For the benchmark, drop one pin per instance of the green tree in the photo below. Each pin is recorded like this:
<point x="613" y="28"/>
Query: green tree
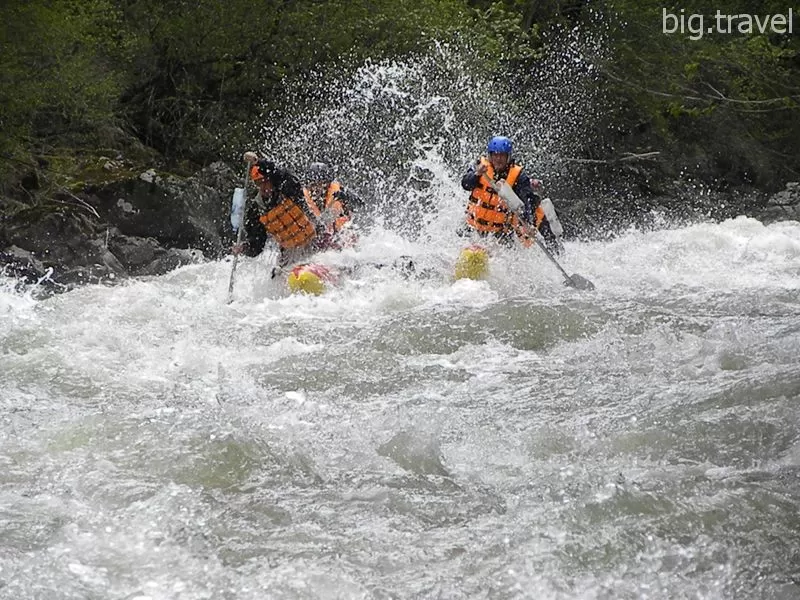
<point x="730" y="100"/>
<point x="57" y="72"/>
<point x="201" y="68"/>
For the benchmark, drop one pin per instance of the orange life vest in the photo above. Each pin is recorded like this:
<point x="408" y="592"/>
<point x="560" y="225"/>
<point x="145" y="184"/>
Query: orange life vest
<point x="488" y="213"/>
<point x="331" y="204"/>
<point x="538" y="216"/>
<point x="289" y="224"/>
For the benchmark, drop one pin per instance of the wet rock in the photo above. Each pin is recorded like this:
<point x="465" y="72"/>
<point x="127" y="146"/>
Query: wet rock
<point x="64" y="247"/>
<point x="176" y="212"/>
<point x="171" y="259"/>
<point x="58" y="237"/>
<point x="131" y="219"/>
<point x="222" y="178"/>
<point x="134" y="253"/>
<point x="69" y="278"/>
<point x="142" y="223"/>
<point x="22" y="265"/>
<point x="150" y="176"/>
<point x="783" y="206"/>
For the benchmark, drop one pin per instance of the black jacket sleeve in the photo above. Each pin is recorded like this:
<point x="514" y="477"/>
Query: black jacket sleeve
<point x="470" y="178"/>
<point x="255" y="236"/>
<point x="523" y="188"/>
<point x="284" y="183"/>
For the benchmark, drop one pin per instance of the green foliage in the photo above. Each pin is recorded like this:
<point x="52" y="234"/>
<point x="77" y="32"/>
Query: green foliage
<point x="200" y="67"/>
<point x="705" y="95"/>
<point x="57" y="74"/>
<point x="55" y="68"/>
<point x="502" y="34"/>
<point x="185" y="77"/>
<point x="188" y="78"/>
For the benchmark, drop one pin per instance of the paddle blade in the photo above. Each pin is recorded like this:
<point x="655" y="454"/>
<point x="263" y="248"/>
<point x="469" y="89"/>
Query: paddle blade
<point x="506" y="192"/>
<point x="237" y="207"/>
<point x="579" y="283"/>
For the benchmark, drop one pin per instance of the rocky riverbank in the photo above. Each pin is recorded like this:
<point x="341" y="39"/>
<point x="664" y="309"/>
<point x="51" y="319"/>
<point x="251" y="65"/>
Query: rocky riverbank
<point x="137" y="225"/>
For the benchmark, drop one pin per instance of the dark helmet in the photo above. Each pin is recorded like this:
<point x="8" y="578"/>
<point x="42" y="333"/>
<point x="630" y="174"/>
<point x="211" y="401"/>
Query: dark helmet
<point x="262" y="169"/>
<point x="500" y="143"/>
<point x="319" y="172"/>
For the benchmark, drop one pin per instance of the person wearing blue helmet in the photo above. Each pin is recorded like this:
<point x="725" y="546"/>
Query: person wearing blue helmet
<point x="490" y="216"/>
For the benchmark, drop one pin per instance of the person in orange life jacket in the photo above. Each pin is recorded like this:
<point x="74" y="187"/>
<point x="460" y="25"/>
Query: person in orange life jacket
<point x="334" y="204"/>
<point x="487" y="213"/>
<point x="280" y="212"/>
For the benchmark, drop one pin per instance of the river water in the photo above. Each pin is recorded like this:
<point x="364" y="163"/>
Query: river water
<point x="414" y="438"/>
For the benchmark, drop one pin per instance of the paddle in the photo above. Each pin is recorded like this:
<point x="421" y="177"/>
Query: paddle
<point x="239" y="226"/>
<point x="505" y="191"/>
<point x="574" y="280"/>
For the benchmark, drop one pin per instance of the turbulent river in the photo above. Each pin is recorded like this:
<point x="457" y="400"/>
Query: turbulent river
<point x="414" y="438"/>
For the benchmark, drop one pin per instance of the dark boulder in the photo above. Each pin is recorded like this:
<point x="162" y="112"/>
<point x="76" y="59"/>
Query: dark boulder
<point x="130" y="226"/>
<point x="783" y="206"/>
<point x="177" y="213"/>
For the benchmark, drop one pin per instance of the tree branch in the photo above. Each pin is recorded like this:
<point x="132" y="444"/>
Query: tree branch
<point x="627" y="157"/>
<point x="717" y="97"/>
<point x="81" y="202"/>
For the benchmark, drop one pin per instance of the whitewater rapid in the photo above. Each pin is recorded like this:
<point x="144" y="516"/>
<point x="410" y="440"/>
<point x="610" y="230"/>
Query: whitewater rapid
<point x="414" y="438"/>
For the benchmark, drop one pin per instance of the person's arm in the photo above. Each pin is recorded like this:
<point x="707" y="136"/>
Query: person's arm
<point x="523" y="187"/>
<point x="254" y="237"/>
<point x="473" y="175"/>
<point x="529" y="191"/>
<point x="550" y="239"/>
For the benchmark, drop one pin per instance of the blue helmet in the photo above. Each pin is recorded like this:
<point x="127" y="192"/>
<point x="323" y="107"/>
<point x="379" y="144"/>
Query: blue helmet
<point x="500" y="143"/>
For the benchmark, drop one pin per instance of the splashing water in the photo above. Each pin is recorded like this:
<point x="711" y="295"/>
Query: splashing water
<point x="509" y="438"/>
<point x="381" y="123"/>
